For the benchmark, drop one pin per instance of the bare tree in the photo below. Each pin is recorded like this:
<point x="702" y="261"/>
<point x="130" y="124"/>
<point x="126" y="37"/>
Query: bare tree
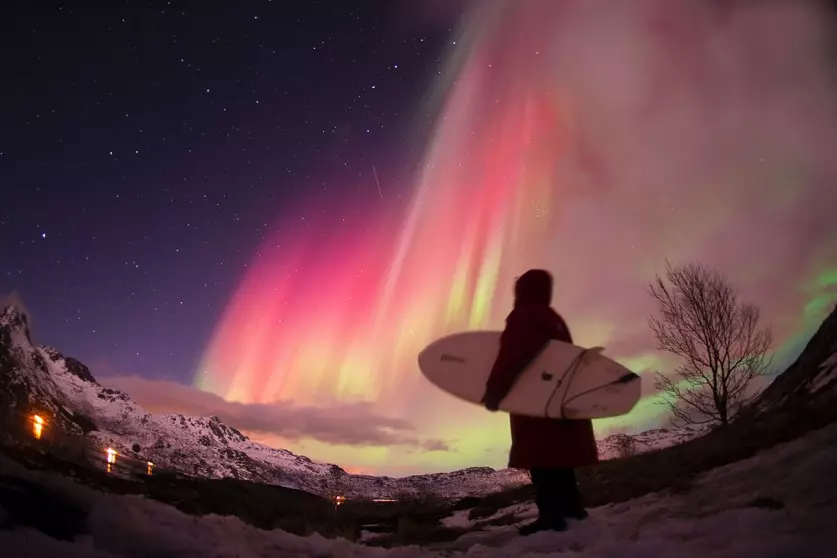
<point x="702" y="321"/>
<point x="625" y="445"/>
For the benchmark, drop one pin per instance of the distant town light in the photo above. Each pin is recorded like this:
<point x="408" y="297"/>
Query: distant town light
<point x="37" y="426"/>
<point x="112" y="453"/>
<point x="150" y="467"/>
<point x="338" y="500"/>
<point x="384" y="500"/>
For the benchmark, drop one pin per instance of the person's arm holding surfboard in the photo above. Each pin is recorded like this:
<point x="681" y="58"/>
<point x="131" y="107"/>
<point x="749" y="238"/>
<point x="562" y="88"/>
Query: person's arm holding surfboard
<point x="519" y="345"/>
<point x="521" y="342"/>
<point x="562" y="331"/>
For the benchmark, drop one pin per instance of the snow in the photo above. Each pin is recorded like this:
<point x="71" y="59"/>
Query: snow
<point x="727" y="512"/>
<point x="827" y="375"/>
<point x="720" y="516"/>
<point x="458" y="518"/>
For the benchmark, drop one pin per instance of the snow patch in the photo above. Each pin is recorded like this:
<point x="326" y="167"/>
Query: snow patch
<point x="827" y="375"/>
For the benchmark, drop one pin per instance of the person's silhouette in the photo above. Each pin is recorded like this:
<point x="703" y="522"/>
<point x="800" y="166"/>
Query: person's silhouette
<point x="549" y="448"/>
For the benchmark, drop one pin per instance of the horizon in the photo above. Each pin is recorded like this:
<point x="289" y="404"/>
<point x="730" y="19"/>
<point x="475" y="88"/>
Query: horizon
<point x="123" y="384"/>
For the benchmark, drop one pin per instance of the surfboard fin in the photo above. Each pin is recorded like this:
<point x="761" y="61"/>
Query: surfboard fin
<point x="629" y="377"/>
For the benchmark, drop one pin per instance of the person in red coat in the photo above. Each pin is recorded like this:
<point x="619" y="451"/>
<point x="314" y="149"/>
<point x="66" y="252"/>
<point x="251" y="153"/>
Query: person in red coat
<point x="550" y="449"/>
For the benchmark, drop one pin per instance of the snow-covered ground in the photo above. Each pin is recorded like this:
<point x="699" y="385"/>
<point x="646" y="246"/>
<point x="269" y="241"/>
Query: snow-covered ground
<point x="780" y="503"/>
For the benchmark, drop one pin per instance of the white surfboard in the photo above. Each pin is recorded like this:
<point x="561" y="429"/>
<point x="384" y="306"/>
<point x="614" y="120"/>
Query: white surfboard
<point x="564" y="380"/>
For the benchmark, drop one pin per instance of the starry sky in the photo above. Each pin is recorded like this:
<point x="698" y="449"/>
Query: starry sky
<point x="149" y="148"/>
<point x="264" y="210"/>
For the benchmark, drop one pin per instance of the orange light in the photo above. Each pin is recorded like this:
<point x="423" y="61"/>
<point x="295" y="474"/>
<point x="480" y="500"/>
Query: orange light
<point x="150" y="467"/>
<point x="37" y="426"/>
<point x="112" y="453"/>
<point x="339" y="500"/>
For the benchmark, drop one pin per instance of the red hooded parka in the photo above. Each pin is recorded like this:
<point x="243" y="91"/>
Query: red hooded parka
<point x="537" y="442"/>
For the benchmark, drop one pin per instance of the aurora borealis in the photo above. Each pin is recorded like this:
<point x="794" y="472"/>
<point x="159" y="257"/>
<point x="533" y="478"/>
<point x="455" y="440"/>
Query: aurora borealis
<point x="595" y="143"/>
<point x="263" y="211"/>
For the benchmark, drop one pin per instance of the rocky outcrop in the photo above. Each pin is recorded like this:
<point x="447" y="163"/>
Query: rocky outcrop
<point x="813" y="376"/>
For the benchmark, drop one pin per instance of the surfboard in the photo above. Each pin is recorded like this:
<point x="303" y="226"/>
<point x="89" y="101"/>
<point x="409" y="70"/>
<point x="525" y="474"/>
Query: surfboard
<point x="563" y="381"/>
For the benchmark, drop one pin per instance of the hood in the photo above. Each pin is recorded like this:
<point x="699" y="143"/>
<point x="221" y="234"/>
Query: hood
<point x="533" y="288"/>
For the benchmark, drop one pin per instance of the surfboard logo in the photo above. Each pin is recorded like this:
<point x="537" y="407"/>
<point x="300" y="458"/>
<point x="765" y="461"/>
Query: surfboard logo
<point x="452" y="358"/>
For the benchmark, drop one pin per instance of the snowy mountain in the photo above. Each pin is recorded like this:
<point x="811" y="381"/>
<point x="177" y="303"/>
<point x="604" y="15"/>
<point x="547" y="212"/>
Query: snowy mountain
<point x="25" y="379"/>
<point x="40" y="379"/>
<point x="813" y="376"/>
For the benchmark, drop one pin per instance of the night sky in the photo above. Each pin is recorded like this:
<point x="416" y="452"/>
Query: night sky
<point x="148" y="147"/>
<point x="264" y="211"/>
